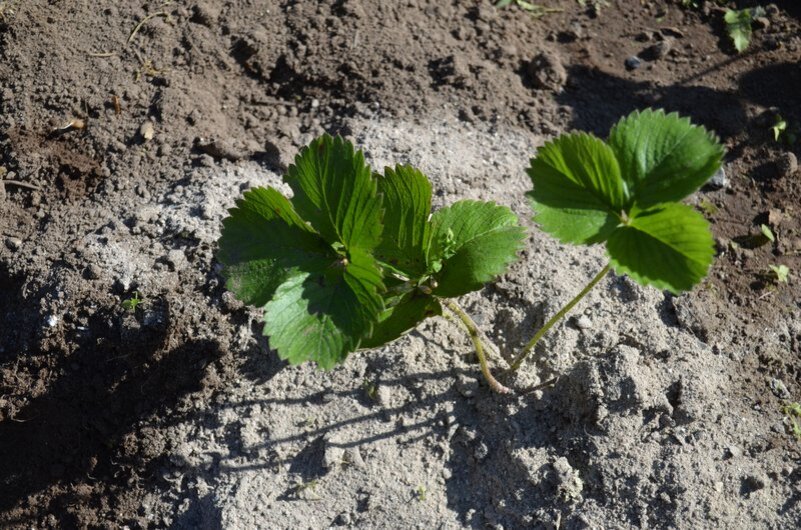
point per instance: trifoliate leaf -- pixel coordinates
(405, 313)
(334, 190)
(578, 191)
(407, 206)
(323, 315)
(471, 243)
(663, 157)
(262, 241)
(668, 246)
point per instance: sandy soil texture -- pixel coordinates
(128, 128)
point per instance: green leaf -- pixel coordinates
(334, 190)
(408, 311)
(768, 233)
(407, 206)
(668, 246)
(663, 157)
(780, 272)
(738, 26)
(578, 191)
(262, 241)
(471, 243)
(323, 315)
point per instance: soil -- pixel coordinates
(128, 128)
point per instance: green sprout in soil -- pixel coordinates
(421, 493)
(792, 411)
(132, 303)
(738, 25)
(780, 273)
(778, 128)
(356, 258)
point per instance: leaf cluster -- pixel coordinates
(738, 25)
(355, 258)
(624, 193)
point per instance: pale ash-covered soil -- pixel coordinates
(645, 427)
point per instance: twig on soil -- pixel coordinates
(475, 336)
(102, 54)
(143, 21)
(20, 184)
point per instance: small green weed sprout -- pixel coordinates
(780, 273)
(133, 302)
(792, 412)
(738, 25)
(421, 493)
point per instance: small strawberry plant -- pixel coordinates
(624, 193)
(355, 258)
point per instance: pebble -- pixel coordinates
(147, 131)
(733, 451)
(583, 322)
(658, 50)
(633, 62)
(779, 389)
(719, 180)
(13, 243)
(786, 164)
(52, 321)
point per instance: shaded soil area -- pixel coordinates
(108, 111)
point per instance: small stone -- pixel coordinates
(583, 322)
(733, 451)
(52, 321)
(786, 165)
(13, 243)
(147, 131)
(658, 50)
(775, 217)
(779, 389)
(633, 62)
(718, 486)
(719, 180)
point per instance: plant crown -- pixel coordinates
(623, 193)
(355, 258)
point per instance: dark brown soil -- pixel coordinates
(85, 385)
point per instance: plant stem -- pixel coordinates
(556, 318)
(475, 336)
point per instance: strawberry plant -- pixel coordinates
(356, 258)
(623, 193)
